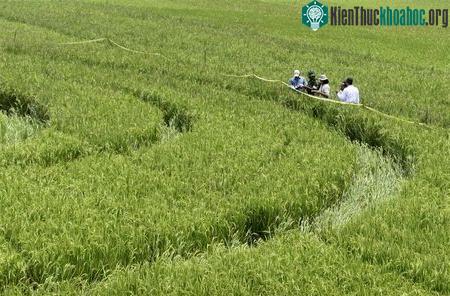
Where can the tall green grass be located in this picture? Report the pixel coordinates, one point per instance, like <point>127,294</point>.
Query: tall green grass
<point>211,185</point>
<point>147,164</point>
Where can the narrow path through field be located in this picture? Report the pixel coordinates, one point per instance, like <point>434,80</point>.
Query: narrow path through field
<point>377,179</point>
<point>382,163</point>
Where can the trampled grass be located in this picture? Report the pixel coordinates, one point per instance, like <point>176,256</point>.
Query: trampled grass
<point>14,129</point>
<point>134,173</point>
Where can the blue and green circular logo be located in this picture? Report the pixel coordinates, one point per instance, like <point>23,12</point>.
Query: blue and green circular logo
<point>315,15</point>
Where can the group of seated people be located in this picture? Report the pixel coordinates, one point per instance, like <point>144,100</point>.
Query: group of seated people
<point>348,92</point>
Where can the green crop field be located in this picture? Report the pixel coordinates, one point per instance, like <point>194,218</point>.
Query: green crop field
<point>133,165</point>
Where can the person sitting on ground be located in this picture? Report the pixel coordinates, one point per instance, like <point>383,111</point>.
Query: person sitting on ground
<point>348,92</point>
<point>324,87</point>
<point>297,82</point>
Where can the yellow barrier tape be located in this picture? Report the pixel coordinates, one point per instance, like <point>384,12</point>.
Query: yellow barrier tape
<point>254,76</point>
<point>112,42</point>
<point>83,42</point>
<point>329,100</point>
<point>300,92</point>
<point>135,51</point>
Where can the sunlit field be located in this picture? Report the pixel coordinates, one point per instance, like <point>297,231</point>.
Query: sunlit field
<point>137,164</point>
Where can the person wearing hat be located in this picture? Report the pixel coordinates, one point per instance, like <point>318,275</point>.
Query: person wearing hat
<point>348,92</point>
<point>324,87</point>
<point>297,82</point>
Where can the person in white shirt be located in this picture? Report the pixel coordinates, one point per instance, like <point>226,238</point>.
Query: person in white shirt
<point>324,87</point>
<point>348,92</point>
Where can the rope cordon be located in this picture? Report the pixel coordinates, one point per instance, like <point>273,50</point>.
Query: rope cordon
<point>112,42</point>
<point>253,76</point>
<point>327,100</point>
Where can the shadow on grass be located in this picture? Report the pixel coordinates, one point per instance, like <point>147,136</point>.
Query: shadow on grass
<point>358,127</point>
<point>14,103</point>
